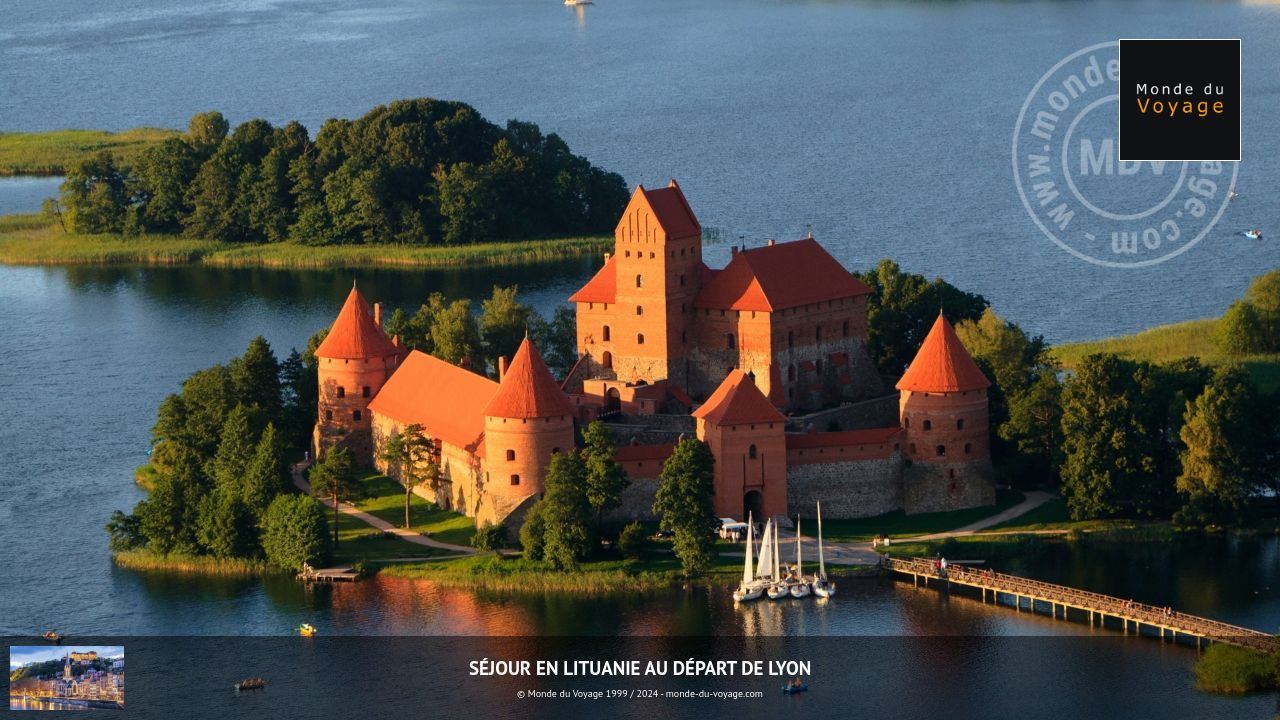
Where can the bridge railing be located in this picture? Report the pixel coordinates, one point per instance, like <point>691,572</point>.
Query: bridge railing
<point>1107,604</point>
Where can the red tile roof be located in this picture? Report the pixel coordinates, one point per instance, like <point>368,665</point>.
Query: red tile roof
<point>777,277</point>
<point>737,402</point>
<point>602,287</point>
<point>671,210</point>
<point>874,436</point>
<point>446,400</point>
<point>527,389</point>
<point>354,335</point>
<point>943,364</point>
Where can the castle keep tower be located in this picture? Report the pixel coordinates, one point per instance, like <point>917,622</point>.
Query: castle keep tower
<point>354,360</point>
<point>633,315</point>
<point>745,433</point>
<point>528,419</point>
<point>943,409</point>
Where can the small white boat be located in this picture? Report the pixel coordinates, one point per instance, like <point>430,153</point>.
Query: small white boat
<point>821,586</point>
<point>777,588</point>
<point>1252,234</point>
<point>749,589</point>
<point>799,587</point>
<point>578,2</point>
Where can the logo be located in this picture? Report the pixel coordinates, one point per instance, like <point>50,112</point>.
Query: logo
<point>1082,196</point>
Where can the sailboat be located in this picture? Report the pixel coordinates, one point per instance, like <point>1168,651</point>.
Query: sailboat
<point>750,589</point>
<point>821,587</point>
<point>777,589</point>
<point>799,588</point>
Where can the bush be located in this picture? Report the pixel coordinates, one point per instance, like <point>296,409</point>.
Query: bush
<point>294,532</point>
<point>1241,330</point>
<point>490,537</point>
<point>632,541</point>
<point>532,531</point>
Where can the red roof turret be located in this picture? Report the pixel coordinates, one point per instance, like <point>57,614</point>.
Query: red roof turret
<point>738,402</point>
<point>943,364</point>
<point>527,389</point>
<point>354,334</point>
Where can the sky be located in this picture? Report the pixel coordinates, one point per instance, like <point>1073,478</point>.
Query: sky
<point>20,655</point>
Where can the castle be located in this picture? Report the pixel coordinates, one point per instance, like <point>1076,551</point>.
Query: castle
<point>765,360</point>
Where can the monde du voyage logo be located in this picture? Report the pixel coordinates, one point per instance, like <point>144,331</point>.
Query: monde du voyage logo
<point>1129,169</point>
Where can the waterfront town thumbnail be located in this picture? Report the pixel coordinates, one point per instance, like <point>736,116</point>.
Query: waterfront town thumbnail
<point>66,678</point>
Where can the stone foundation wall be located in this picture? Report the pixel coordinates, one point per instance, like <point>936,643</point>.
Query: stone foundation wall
<point>873,413</point>
<point>637,500</point>
<point>849,489</point>
<point>942,487</point>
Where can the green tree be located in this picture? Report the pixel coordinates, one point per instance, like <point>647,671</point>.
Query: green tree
<point>162,176</point>
<point>1013,356</point>
<point>409,455</point>
<point>294,533</point>
<point>455,336</point>
<point>533,532</point>
<point>489,538</point>
<point>504,322</point>
<point>335,477</point>
<point>96,195</point>
<point>206,131</point>
<point>902,308</point>
<point>255,377</point>
<point>265,476</point>
<point>168,517</point>
<point>1242,330</point>
<point>225,526</point>
<point>468,196</point>
<point>235,450</point>
<point>605,478</point>
<point>565,512</point>
<point>632,540</point>
<point>194,418</point>
<point>415,330</point>
<point>1225,457</point>
<point>1034,426</point>
<point>125,531</point>
<point>557,339</point>
<point>684,503</point>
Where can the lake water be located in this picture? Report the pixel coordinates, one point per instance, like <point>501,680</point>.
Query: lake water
<point>885,125</point>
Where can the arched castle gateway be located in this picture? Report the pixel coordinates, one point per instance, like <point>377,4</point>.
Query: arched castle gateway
<point>765,360</point>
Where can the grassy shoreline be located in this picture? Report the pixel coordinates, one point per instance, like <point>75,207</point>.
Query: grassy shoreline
<point>43,154</point>
<point>34,240</point>
<point>148,561</point>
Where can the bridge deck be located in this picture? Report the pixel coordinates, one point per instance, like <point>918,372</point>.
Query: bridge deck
<point>1096,604</point>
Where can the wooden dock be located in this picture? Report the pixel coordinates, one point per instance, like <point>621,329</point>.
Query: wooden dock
<point>333,574</point>
<point>1099,608</point>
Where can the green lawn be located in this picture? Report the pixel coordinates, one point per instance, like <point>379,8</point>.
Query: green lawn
<point>35,240</point>
<point>51,153</point>
<point>1050,515</point>
<point>384,498</point>
<point>1173,342</point>
<point>898,524</point>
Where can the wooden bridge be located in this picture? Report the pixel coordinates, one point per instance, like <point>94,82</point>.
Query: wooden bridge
<point>1099,607</point>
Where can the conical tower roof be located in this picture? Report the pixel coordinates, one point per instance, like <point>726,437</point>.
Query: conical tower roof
<point>943,364</point>
<point>738,402</point>
<point>527,389</point>
<point>354,334</point>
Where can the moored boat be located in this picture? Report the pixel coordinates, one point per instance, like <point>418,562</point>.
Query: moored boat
<point>306,630</point>
<point>750,588</point>
<point>251,684</point>
<point>799,586</point>
<point>821,586</point>
<point>777,588</point>
<point>52,637</point>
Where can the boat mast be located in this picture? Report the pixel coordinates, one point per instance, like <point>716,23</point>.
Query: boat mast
<point>764,566</point>
<point>822,565</point>
<point>777,570</point>
<point>751,538</point>
<point>799,569</point>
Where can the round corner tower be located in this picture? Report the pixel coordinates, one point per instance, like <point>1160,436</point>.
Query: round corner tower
<point>943,409</point>
<point>353,362</point>
<point>528,419</point>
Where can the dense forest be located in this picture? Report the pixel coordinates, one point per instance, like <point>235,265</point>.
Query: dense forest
<point>418,171</point>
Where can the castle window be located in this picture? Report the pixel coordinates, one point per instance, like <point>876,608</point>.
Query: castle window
<point>844,328</point>
<point>638,281</point>
<point>328,414</point>
<point>791,339</point>
<point>960,424</point>
<point>628,253</point>
<point>651,255</point>
<point>751,452</point>
<point>681,280</point>
<point>355,414</point>
<point>942,450</point>
<point>606,333</point>
<point>730,341</point>
<point>515,479</point>
<point>639,310</point>
<point>684,337</point>
<point>364,391</point>
<point>951,474</point>
<point>906,422</point>
<point>606,360</point>
<point>342,392</point>
<point>640,339</point>
<point>511,455</point>
<point>817,333</point>
<point>721,313</point>
<point>928,424</point>
<point>968,448</point>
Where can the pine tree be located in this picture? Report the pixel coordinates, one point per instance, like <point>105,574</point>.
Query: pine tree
<point>335,477</point>
<point>265,475</point>
<point>235,449</point>
<point>504,321</point>
<point>226,527</point>
<point>255,377</point>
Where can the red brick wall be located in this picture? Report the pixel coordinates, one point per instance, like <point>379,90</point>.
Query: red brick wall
<point>342,395</point>
<point>737,473</point>
<point>942,412</point>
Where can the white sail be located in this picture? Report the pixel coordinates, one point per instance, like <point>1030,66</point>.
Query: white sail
<point>777,565</point>
<point>799,570</point>
<point>765,565</point>
<point>751,538</point>
<point>822,565</point>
